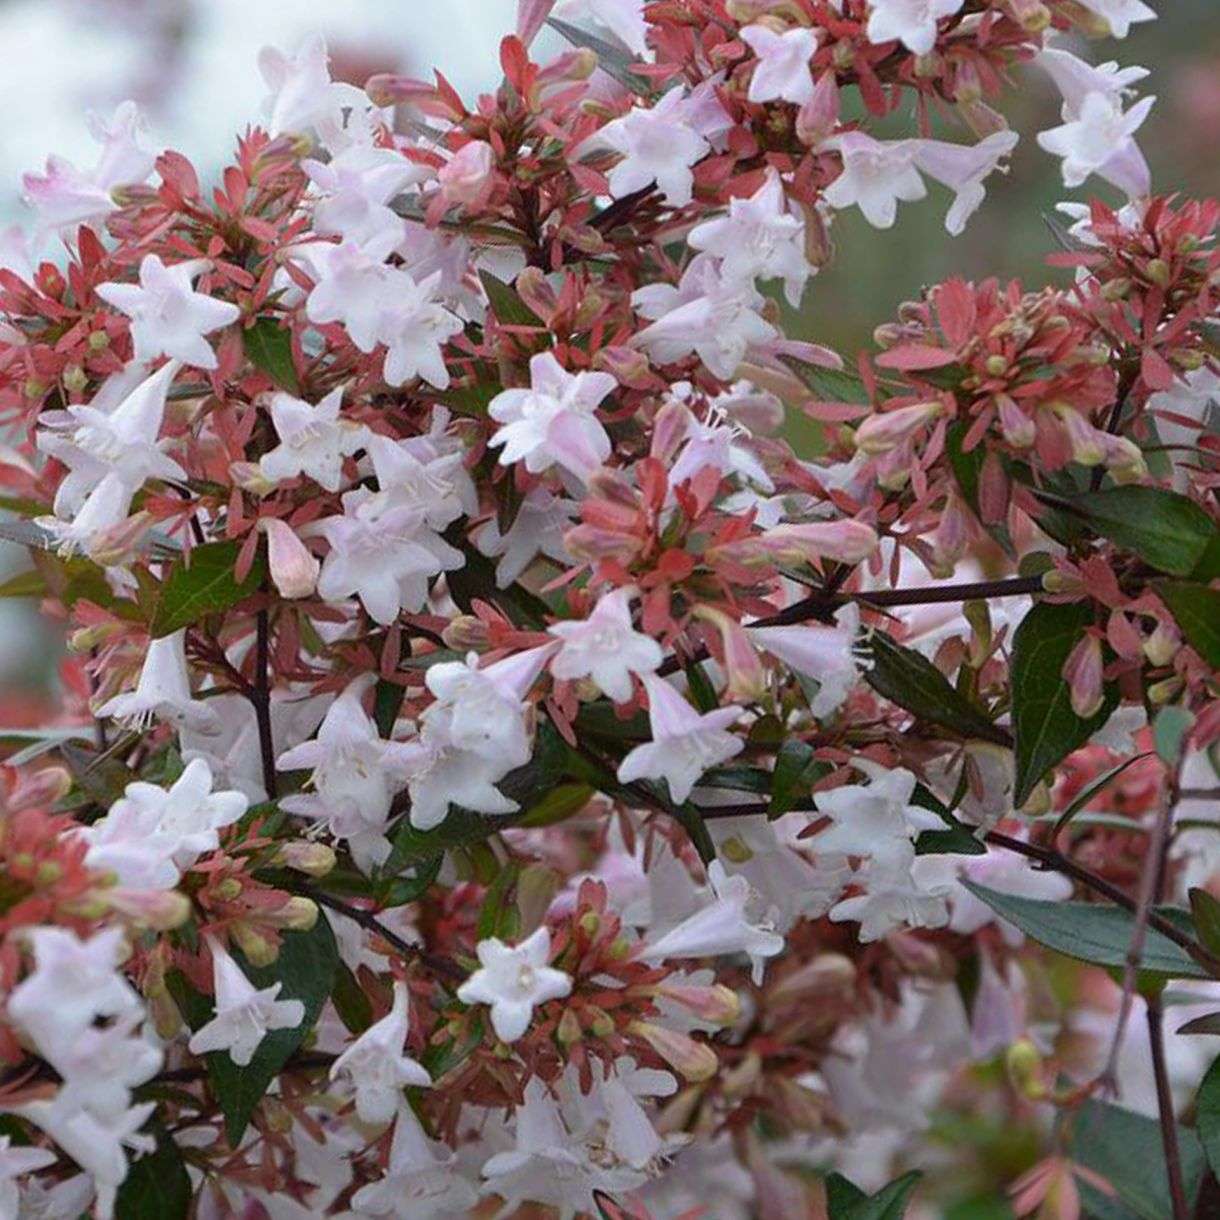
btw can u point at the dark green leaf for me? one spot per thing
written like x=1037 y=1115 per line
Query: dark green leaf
x=1093 y=790
x=796 y=771
x=498 y=914
x=1206 y=912
x=509 y=308
x=831 y=385
x=1125 y=1149
x=702 y=692
x=909 y=679
x=739 y=779
x=306 y=967
x=1196 y=608
x=387 y=702
x=101 y=777
x=1166 y=530
x=612 y=60
x=207 y=586
x=354 y=1007
x=1207 y=1116
x=845 y=1200
x=268 y=347
x=29 y=583
x=470 y=400
x=558 y=804
x=157 y=1186
x=1089 y=932
x=1047 y=730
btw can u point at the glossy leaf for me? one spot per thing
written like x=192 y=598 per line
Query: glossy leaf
x=268 y=347
x=508 y=307
x=1196 y=610
x=612 y=60
x=846 y=1201
x=157 y=1186
x=1047 y=729
x=206 y=586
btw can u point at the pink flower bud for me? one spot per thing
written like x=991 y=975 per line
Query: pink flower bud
x=950 y=538
x=1162 y=645
x=1082 y=671
x=626 y=365
x=297 y=915
x=717 y=1003
x=746 y=673
x=158 y=910
x=312 y=859
x=1018 y=429
x=841 y=541
x=669 y=430
x=994 y=490
x=1084 y=441
x=818 y=117
x=695 y=1061
x=468 y=178
x=882 y=432
x=294 y=571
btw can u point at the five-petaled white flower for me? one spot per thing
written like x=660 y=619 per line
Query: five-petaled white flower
x=16 y=1162
x=555 y=421
x=314 y=440
x=605 y=647
x=684 y=742
x=1120 y=15
x=168 y=317
x=782 y=72
x=163 y=690
x=659 y=144
x=825 y=654
x=911 y=22
x=876 y=175
x=244 y=1013
x=513 y=980
x=376 y=1065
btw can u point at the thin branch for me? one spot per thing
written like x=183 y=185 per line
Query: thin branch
x=261 y=698
x=1165 y=1112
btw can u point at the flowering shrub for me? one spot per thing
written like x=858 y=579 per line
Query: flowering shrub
x=497 y=775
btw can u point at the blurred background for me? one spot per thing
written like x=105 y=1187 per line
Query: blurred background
x=192 y=65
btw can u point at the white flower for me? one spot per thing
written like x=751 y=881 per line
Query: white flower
x=415 y=327
x=422 y=1181
x=513 y=981
x=782 y=72
x=962 y=168
x=376 y=554
x=714 y=441
x=244 y=1014
x=538 y=529
x=65 y=197
x=659 y=145
x=1121 y=15
x=163 y=690
x=74 y=982
x=1097 y=138
x=168 y=317
x=150 y=835
x=623 y=18
x=723 y=926
x=876 y=819
x=352 y=285
x=876 y=175
x=825 y=654
x=759 y=239
x=684 y=743
x=901 y=890
x=605 y=647
x=630 y=1135
x=707 y=314
x=314 y=440
x=911 y=22
x=376 y=1065
x=42 y=1199
x=356 y=187
x=434 y=485
x=302 y=95
x=555 y=421
x=355 y=773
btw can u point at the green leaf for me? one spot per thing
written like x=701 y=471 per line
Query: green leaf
x=498 y=914
x=387 y=702
x=1207 y=1116
x=846 y=1201
x=1093 y=790
x=205 y=587
x=1047 y=729
x=509 y=308
x=1125 y=1148
x=909 y=679
x=612 y=60
x=1196 y=609
x=354 y=1007
x=968 y=471
x=701 y=689
x=1166 y=530
x=29 y=583
x=1169 y=731
x=831 y=385
x=306 y=967
x=268 y=347
x=1206 y=912
x=796 y=770
x=558 y=804
x=1089 y=932
x=157 y=1186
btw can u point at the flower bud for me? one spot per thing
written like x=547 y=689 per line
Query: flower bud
x=747 y=676
x=467 y=179
x=260 y=950
x=1157 y=271
x=626 y=365
x=1017 y=427
x=74 y=379
x=694 y=1061
x=294 y=571
x=249 y=477
x=157 y=910
x=466 y=633
x=1164 y=691
x=716 y=1004
x=1086 y=445
x=1023 y=1063
x=1031 y=15
x=1123 y=459
x=841 y=541
x=1083 y=672
x=303 y=856
x=882 y=432
x=819 y=116
x=116 y=546
x=568 y=1030
x=950 y=538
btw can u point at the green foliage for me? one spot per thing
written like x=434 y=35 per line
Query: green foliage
x=1169 y=732
x=1205 y=911
x=846 y=1201
x=157 y=1186
x=611 y=60
x=1207 y=1116
x=509 y=308
x=1047 y=729
x=909 y=679
x=1196 y=609
x=1089 y=932
x=268 y=347
x=206 y=586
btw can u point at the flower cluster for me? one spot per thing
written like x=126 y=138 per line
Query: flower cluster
x=500 y=766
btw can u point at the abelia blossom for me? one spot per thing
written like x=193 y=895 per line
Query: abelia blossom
x=825 y=654
x=782 y=72
x=1097 y=138
x=513 y=981
x=163 y=690
x=911 y=22
x=168 y=317
x=314 y=440
x=658 y=144
x=605 y=647
x=1120 y=15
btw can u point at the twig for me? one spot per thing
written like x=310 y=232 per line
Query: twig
x=261 y=698
x=1164 y=1105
